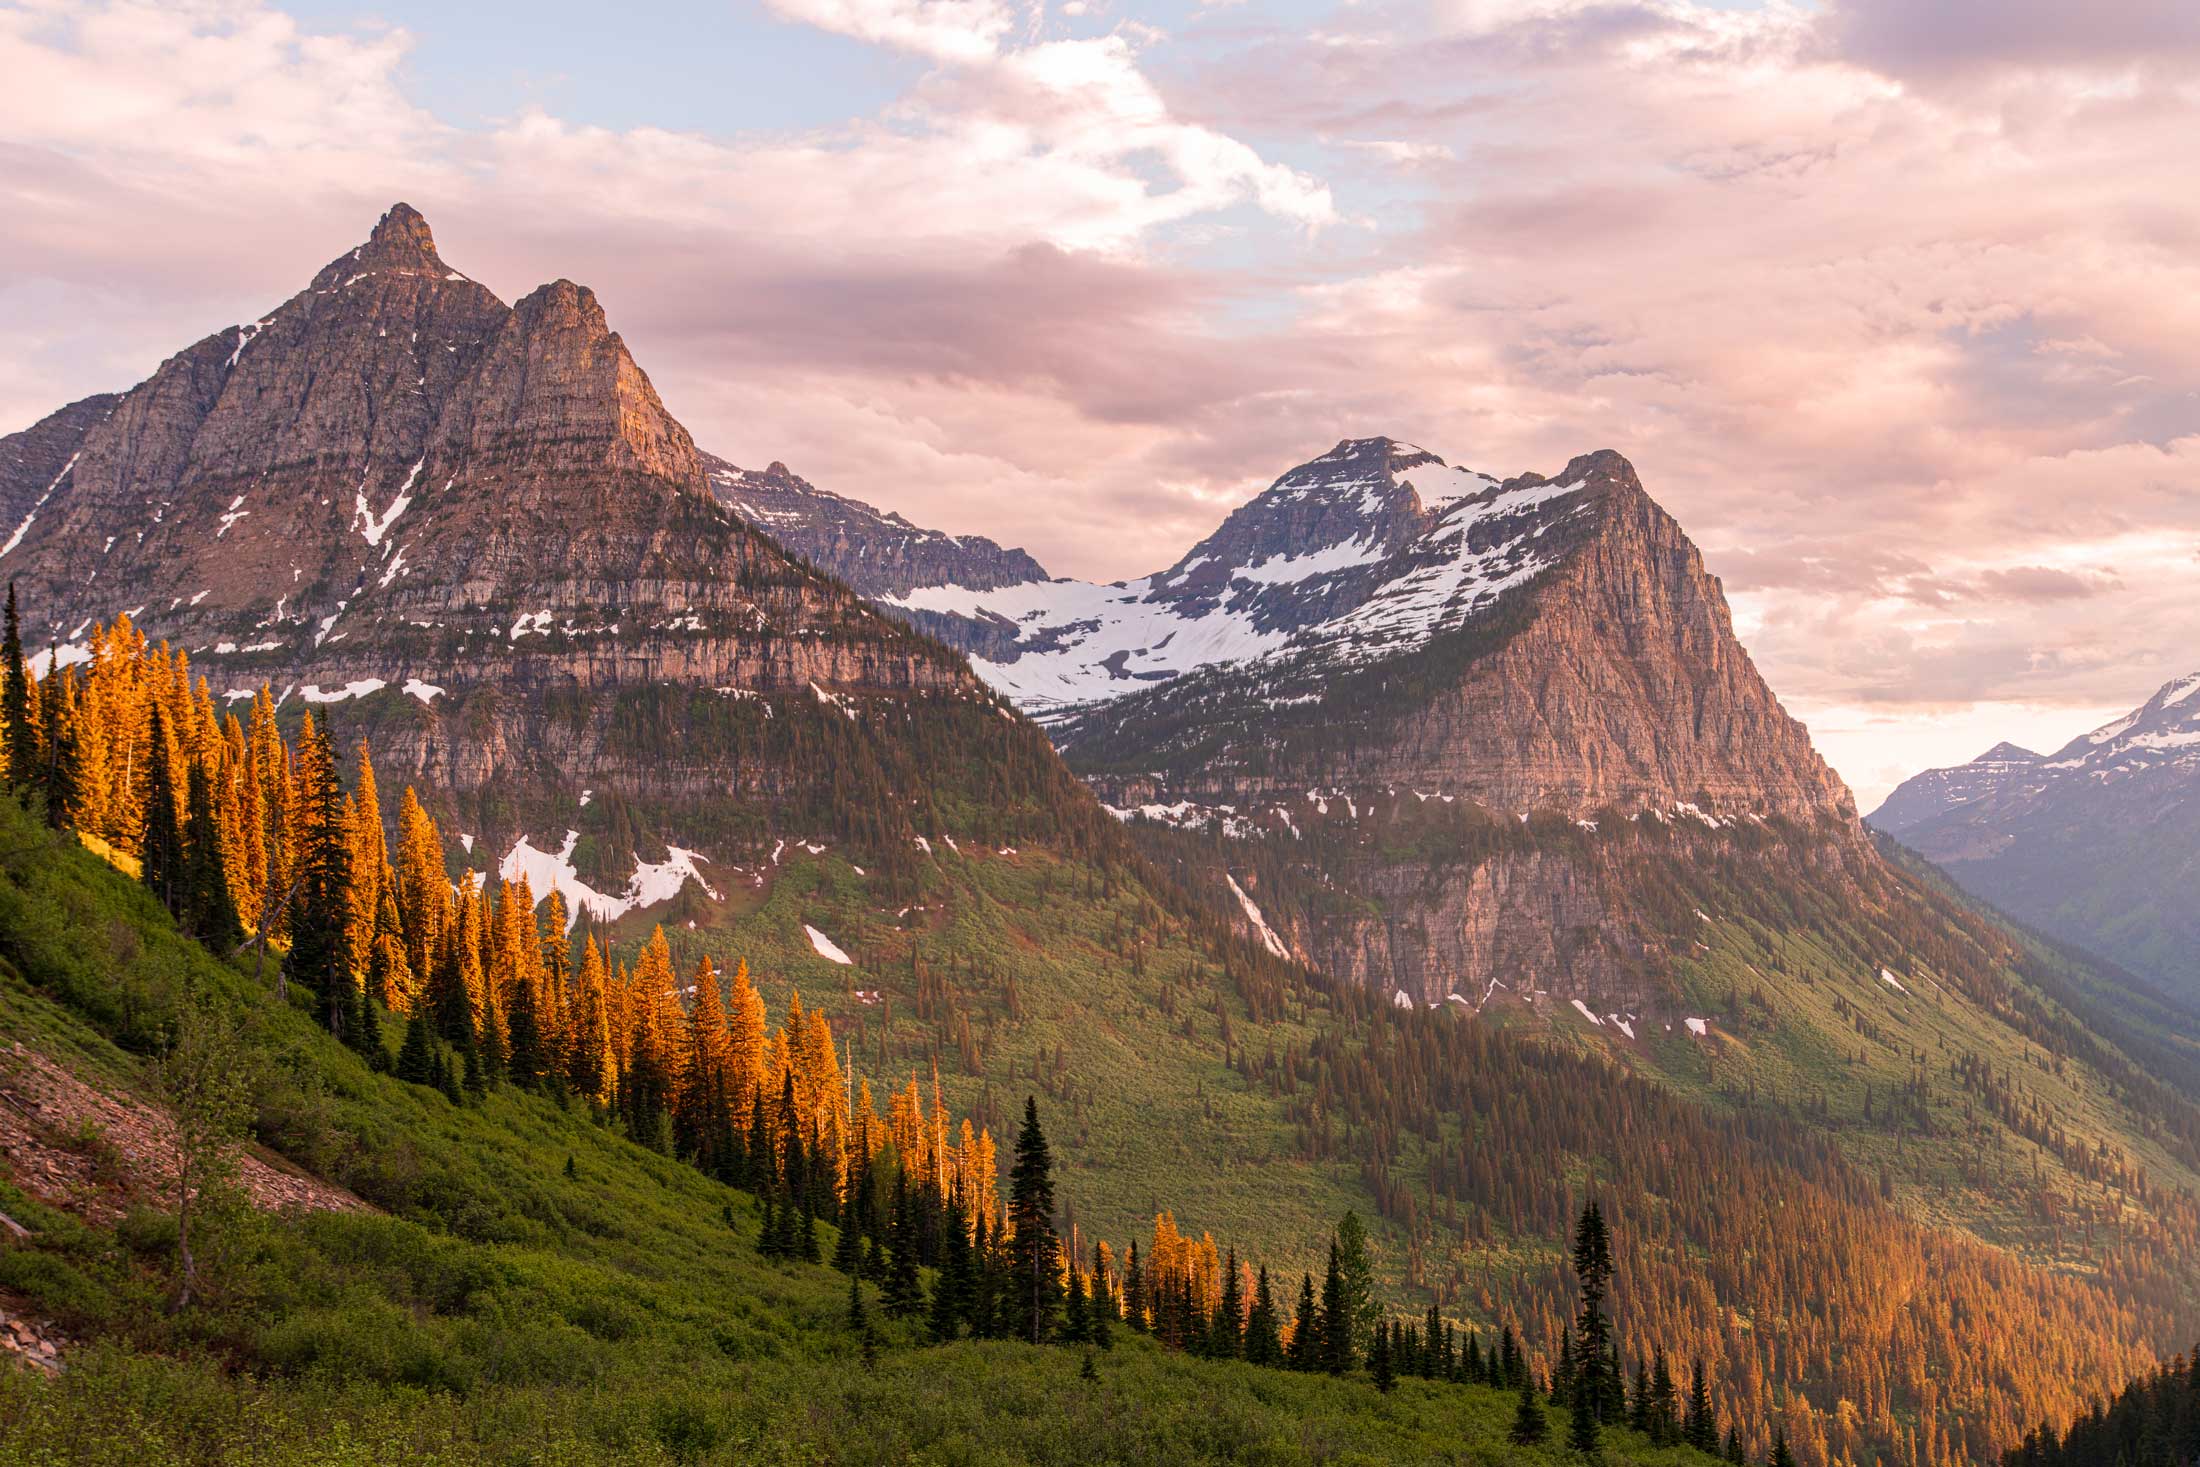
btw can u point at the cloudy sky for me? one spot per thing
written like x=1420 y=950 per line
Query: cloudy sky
x=1895 y=305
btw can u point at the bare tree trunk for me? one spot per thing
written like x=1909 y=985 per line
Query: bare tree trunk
x=258 y=939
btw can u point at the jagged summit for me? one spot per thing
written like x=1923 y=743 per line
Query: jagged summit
x=401 y=242
x=401 y=236
x=477 y=528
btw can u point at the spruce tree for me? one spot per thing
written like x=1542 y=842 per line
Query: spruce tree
x=210 y=911
x=1337 y=1320
x=15 y=705
x=1134 y=1289
x=944 y=1322
x=447 y=1081
x=1595 y=1379
x=1379 y=1362
x=1583 y=1431
x=1734 y=1452
x=416 y=1060
x=1663 y=1411
x=1306 y=1332
x=1638 y=1416
x=805 y=1247
x=1356 y=1278
x=162 y=859
x=1224 y=1339
x=1700 y=1427
x=525 y=1059
x=1263 y=1334
x=904 y=1290
x=848 y=1248
x=859 y=1319
x=767 y=1236
x=61 y=772
x=1103 y=1297
x=319 y=946
x=1781 y=1455
x=1076 y=1321
x=1032 y=1248
x=1529 y=1427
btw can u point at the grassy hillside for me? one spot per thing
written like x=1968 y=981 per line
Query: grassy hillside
x=1828 y=1193
x=533 y=1288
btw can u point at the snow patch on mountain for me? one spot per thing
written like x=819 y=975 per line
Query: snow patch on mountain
x=1268 y=938
x=827 y=949
x=652 y=883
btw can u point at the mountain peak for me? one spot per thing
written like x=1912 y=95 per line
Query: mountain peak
x=2007 y=753
x=401 y=238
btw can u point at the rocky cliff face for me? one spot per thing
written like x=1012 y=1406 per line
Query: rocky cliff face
x=2097 y=843
x=1489 y=684
x=1373 y=664
x=476 y=529
x=1597 y=669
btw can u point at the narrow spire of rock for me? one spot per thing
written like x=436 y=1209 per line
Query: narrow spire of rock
x=401 y=237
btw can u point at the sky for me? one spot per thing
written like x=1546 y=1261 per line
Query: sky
x=1895 y=306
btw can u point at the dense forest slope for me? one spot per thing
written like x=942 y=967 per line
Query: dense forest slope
x=522 y=1278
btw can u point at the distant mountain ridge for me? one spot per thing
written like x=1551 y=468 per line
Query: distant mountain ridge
x=2097 y=843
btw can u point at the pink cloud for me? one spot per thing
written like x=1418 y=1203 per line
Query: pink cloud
x=1915 y=363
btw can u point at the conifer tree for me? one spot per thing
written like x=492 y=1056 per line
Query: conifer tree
x=859 y=1318
x=805 y=1246
x=416 y=1060
x=1379 y=1362
x=1595 y=1379
x=904 y=1291
x=1356 y=1278
x=1700 y=1427
x=210 y=912
x=20 y=751
x=1663 y=1411
x=1529 y=1428
x=525 y=1063
x=1076 y=1321
x=1263 y=1333
x=1032 y=1247
x=1306 y=1351
x=60 y=772
x=1781 y=1456
x=161 y=855
x=1583 y=1430
x=1134 y=1289
x=951 y=1287
x=767 y=1237
x=1104 y=1307
x=1337 y=1321
x=320 y=954
x=1224 y=1338
x=848 y=1247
